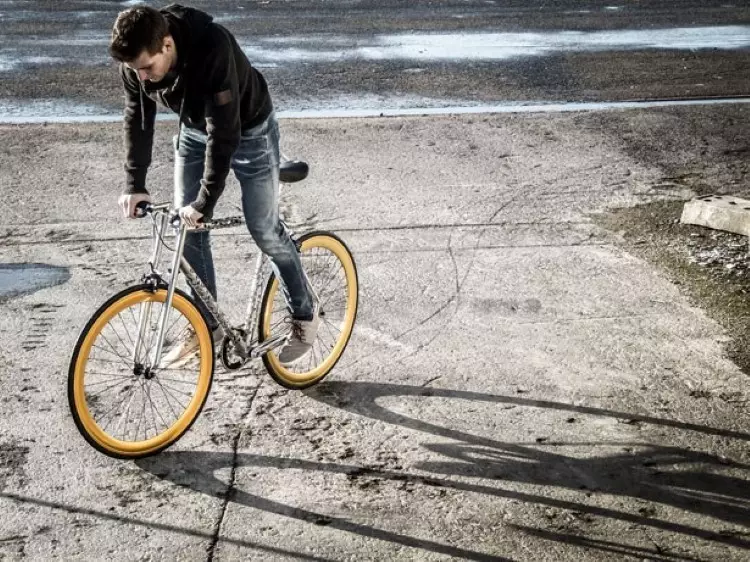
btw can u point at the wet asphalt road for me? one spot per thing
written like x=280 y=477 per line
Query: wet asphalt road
x=352 y=54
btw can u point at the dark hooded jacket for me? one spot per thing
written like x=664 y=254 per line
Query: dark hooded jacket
x=213 y=88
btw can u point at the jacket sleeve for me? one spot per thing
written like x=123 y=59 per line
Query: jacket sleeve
x=222 y=101
x=138 y=120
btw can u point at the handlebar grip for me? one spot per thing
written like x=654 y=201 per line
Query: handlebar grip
x=142 y=209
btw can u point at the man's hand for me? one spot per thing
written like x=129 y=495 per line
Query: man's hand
x=128 y=202
x=190 y=216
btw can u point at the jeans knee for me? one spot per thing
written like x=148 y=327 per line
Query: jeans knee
x=272 y=241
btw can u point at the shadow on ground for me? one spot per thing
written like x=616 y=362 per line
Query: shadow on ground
x=670 y=476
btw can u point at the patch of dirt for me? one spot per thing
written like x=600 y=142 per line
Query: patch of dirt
x=12 y=461
x=711 y=267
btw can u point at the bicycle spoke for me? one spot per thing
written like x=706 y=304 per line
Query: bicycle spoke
x=183 y=331
x=167 y=401
x=112 y=329
x=127 y=332
x=137 y=346
x=122 y=360
x=172 y=396
x=330 y=325
x=124 y=416
x=332 y=337
x=330 y=293
x=178 y=381
x=312 y=359
x=96 y=394
x=151 y=331
x=182 y=368
x=330 y=276
x=177 y=390
x=337 y=309
x=147 y=395
x=158 y=412
x=322 y=351
x=110 y=375
x=112 y=347
x=104 y=417
x=153 y=415
x=106 y=381
x=143 y=411
x=104 y=360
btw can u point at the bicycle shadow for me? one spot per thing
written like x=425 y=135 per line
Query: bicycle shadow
x=635 y=474
x=196 y=470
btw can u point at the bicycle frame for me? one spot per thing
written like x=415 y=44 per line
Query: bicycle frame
x=243 y=346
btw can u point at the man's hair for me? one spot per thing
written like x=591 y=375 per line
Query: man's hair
x=136 y=29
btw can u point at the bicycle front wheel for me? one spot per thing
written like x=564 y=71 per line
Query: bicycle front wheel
x=332 y=273
x=122 y=405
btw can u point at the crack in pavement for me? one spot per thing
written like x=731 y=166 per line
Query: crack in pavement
x=459 y=283
x=146 y=524
x=211 y=550
x=310 y=224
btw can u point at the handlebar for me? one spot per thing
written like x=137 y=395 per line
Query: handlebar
x=144 y=208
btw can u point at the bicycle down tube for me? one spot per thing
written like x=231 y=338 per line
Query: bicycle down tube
x=243 y=346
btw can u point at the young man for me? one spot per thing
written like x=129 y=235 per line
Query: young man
x=179 y=57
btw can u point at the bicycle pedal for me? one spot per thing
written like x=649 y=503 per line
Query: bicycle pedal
x=269 y=345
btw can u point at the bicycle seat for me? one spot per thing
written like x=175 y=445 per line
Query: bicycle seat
x=291 y=171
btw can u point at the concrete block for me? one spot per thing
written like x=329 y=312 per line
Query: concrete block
x=720 y=212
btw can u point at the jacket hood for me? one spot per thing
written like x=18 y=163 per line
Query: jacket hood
x=191 y=25
x=187 y=26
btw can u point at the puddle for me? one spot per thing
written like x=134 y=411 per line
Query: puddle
x=488 y=46
x=17 y=279
x=89 y=47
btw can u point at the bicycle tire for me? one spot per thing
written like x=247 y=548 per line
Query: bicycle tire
x=273 y=311
x=116 y=354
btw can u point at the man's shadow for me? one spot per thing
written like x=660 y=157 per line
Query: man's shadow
x=636 y=474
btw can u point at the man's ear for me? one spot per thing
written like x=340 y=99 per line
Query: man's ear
x=167 y=44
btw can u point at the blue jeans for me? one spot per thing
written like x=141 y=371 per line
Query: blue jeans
x=256 y=165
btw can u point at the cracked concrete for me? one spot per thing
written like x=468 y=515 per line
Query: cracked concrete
x=227 y=497
x=517 y=387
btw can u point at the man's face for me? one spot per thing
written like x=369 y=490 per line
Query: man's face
x=153 y=67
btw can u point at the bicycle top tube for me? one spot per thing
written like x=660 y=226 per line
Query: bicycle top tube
x=166 y=208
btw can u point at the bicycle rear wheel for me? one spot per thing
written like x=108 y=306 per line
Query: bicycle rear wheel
x=121 y=404
x=332 y=273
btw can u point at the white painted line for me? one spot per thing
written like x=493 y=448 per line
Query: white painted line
x=510 y=107
x=515 y=107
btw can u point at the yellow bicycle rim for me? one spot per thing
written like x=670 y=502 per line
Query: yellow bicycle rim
x=140 y=448
x=320 y=370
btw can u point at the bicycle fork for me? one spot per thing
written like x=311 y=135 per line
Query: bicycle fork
x=164 y=316
x=145 y=313
x=145 y=309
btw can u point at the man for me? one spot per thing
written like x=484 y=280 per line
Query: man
x=179 y=57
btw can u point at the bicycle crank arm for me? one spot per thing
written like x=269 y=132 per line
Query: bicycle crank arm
x=268 y=345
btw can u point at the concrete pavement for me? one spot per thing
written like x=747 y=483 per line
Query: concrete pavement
x=517 y=387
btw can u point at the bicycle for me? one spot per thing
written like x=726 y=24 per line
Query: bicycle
x=127 y=404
